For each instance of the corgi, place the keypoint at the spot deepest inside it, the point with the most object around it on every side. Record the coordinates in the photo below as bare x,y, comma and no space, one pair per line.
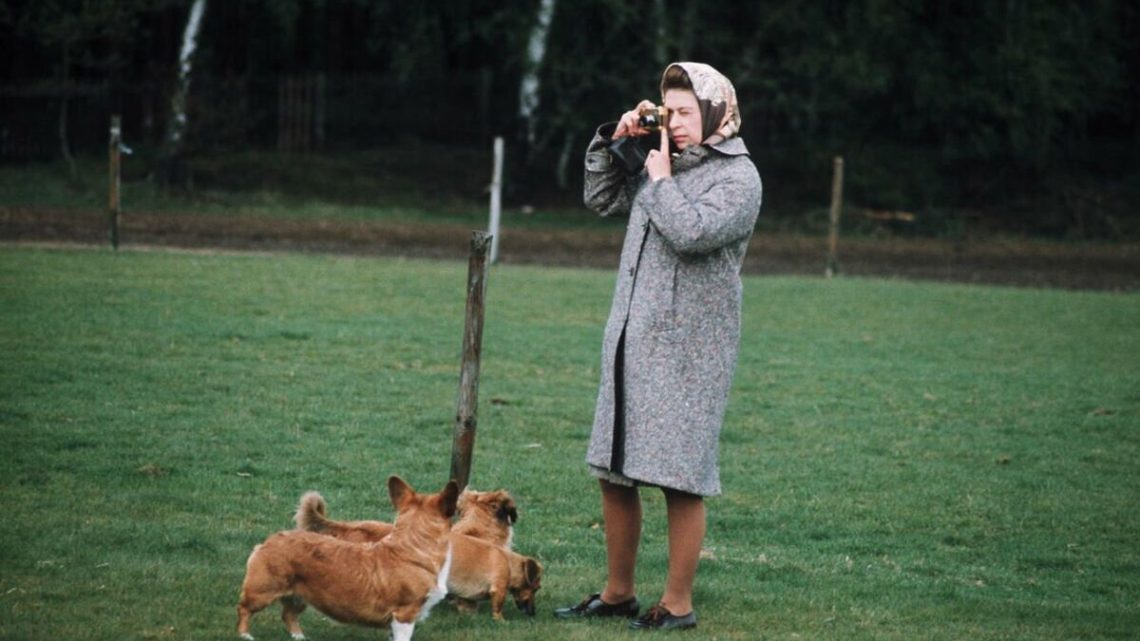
395,581
482,570
483,565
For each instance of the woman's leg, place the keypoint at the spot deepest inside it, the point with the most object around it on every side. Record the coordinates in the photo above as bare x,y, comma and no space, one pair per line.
621,510
686,514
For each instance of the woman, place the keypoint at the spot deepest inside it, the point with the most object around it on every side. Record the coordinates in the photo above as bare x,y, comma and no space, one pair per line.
670,344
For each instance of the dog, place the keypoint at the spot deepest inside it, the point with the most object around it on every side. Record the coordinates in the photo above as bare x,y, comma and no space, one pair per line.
483,565
482,570
394,581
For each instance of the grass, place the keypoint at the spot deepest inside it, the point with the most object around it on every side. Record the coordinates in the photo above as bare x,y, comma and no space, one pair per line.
418,184
900,461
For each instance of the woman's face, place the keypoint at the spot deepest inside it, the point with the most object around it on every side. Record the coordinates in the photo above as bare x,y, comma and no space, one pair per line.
684,117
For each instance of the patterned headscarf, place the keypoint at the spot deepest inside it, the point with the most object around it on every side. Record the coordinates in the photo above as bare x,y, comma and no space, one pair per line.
720,115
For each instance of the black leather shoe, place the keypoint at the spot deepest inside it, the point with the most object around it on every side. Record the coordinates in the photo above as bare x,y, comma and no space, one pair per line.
658,618
594,606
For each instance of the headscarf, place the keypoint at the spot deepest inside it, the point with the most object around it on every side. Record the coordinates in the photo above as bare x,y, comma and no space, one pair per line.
716,97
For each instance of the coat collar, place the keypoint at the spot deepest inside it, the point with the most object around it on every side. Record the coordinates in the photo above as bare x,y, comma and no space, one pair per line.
732,147
692,156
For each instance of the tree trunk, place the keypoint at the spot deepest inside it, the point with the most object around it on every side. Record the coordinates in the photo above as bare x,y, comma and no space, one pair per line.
530,87
172,170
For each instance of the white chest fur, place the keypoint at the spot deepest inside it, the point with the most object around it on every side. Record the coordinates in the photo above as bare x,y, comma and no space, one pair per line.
440,590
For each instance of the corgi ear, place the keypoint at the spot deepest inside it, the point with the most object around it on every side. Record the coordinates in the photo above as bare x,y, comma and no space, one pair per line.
448,498
398,491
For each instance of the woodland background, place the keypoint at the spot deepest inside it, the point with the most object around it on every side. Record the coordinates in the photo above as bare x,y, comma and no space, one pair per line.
1008,116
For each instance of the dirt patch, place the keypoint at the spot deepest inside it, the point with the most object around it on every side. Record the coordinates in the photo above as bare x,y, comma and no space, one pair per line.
1113,267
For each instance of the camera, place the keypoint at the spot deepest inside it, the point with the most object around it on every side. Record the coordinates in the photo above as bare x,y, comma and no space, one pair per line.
630,151
653,118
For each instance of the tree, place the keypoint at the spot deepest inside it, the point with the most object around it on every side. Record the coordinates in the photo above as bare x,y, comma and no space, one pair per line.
172,166
73,28
529,87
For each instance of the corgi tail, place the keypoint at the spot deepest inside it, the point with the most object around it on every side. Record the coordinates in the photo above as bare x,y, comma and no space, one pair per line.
310,514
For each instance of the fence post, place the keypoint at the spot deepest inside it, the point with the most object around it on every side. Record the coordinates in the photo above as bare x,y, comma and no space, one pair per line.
836,206
114,204
463,437
496,198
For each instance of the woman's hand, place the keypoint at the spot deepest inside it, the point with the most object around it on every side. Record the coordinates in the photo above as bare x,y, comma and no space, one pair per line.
628,126
657,162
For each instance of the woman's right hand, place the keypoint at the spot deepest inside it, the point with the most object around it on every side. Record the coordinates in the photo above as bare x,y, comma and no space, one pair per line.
627,125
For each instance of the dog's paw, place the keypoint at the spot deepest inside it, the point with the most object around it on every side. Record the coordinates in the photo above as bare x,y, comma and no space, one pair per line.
298,636
247,636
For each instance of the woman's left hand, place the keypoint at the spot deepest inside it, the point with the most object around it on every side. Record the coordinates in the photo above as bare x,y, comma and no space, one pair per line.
657,161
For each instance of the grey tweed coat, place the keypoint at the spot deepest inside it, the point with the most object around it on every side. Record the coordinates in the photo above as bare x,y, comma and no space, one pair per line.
675,314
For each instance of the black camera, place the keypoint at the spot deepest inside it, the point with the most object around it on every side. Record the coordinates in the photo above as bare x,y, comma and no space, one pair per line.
630,152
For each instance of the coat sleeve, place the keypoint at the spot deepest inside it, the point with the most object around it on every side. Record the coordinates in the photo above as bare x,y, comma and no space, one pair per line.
607,189
720,214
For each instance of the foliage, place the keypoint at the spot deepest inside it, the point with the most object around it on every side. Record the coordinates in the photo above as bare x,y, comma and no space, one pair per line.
900,461
1006,98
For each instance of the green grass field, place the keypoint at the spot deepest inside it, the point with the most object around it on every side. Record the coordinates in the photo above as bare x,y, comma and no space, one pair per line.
900,461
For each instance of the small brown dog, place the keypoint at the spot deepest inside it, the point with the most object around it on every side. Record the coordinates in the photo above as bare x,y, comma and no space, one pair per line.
395,581
482,570
483,566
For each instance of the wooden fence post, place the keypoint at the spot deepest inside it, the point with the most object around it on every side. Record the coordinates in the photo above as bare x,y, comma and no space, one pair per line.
463,438
836,207
114,204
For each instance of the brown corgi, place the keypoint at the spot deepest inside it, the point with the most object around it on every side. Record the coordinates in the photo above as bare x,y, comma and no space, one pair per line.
482,570
395,581
483,566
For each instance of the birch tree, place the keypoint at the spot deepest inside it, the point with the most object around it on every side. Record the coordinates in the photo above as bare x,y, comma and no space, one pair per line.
530,85
172,165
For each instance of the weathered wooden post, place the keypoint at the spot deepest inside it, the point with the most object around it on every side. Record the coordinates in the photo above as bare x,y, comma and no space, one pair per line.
114,205
463,437
833,215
